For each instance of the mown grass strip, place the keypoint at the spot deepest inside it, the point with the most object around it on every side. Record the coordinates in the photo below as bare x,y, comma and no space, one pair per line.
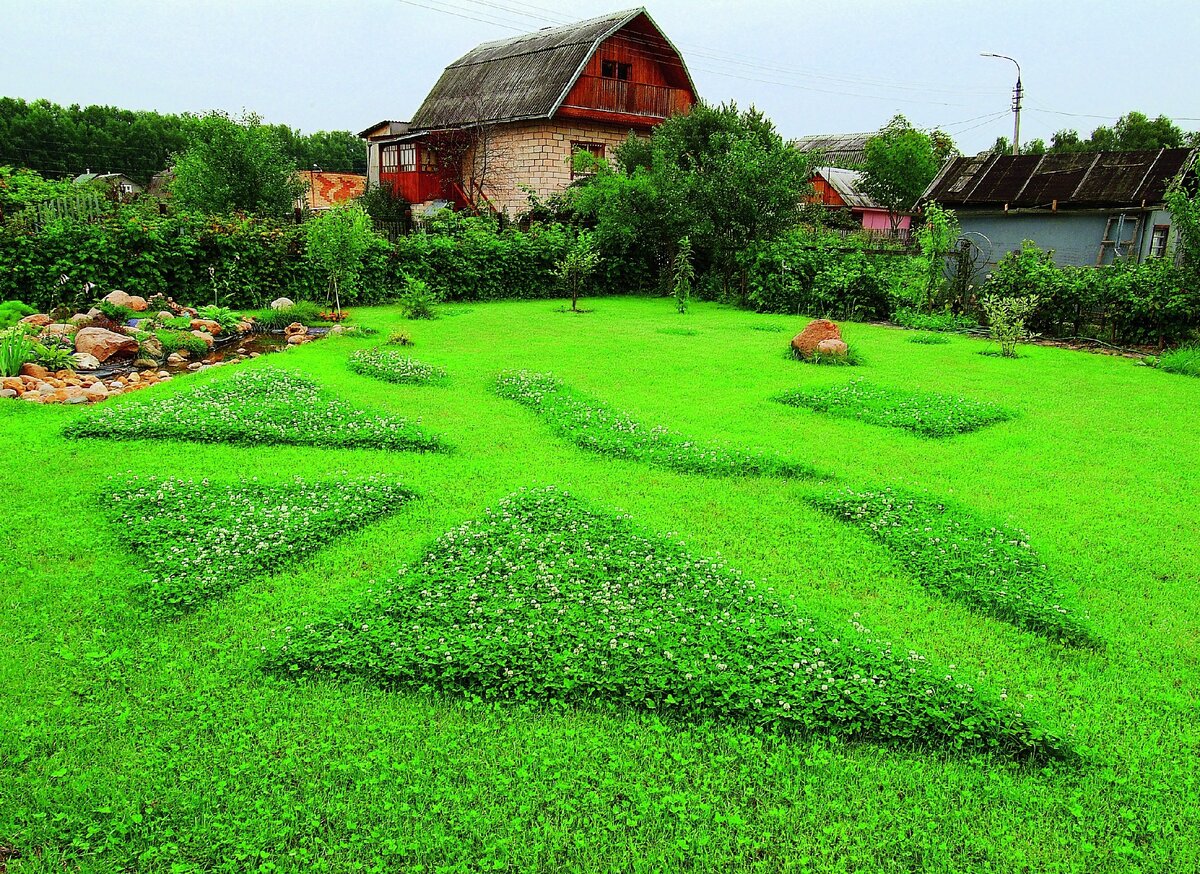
929,414
593,426
393,366
199,539
544,600
261,407
992,570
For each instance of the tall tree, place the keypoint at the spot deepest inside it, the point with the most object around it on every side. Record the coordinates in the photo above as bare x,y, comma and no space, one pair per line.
236,165
898,166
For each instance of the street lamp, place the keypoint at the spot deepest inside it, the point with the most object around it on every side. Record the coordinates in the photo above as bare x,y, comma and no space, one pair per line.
1018,92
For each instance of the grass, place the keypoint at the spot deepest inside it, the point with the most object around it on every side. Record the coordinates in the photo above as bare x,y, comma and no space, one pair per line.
929,339
201,539
128,743
392,366
596,427
544,599
992,570
262,407
1183,360
930,414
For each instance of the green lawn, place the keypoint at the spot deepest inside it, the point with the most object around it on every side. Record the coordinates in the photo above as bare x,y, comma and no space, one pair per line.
130,741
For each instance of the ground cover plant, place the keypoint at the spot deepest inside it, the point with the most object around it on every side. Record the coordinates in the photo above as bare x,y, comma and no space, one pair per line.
593,426
992,570
129,743
929,339
198,539
392,366
544,599
930,414
1184,360
257,407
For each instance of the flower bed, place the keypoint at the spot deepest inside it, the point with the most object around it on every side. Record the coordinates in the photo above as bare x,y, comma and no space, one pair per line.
591,425
262,406
929,414
392,366
543,600
200,539
993,571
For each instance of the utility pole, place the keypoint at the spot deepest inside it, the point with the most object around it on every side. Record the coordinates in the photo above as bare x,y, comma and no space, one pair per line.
1018,93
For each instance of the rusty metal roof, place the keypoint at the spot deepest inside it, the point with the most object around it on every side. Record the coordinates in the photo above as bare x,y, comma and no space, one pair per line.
523,77
1059,180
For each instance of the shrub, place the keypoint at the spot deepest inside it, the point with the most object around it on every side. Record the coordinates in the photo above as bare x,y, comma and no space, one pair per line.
993,571
276,320
174,341
258,407
682,275
117,314
1006,320
12,311
392,366
943,321
544,601
591,425
418,300
53,356
178,323
399,338
201,539
929,414
1184,360
15,349
223,316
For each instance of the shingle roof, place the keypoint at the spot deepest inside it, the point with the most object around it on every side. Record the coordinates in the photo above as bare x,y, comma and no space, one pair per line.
523,77
1065,180
841,150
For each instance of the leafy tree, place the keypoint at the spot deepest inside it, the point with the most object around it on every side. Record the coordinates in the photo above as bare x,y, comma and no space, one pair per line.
1135,131
236,165
898,166
339,240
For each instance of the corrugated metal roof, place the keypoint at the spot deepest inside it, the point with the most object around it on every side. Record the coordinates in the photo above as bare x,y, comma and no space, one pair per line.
1073,179
842,150
523,77
846,184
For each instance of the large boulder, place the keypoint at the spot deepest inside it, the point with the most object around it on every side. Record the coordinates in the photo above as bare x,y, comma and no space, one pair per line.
59,329
103,344
832,347
295,329
805,343
209,325
282,303
206,337
38,320
131,301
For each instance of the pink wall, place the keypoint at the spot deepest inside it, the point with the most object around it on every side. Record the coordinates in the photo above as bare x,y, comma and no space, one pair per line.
877,220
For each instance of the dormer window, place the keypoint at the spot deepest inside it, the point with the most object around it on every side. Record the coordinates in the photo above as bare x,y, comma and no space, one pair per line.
610,69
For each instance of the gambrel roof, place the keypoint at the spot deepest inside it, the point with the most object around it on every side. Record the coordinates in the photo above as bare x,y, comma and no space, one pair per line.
529,76
1059,180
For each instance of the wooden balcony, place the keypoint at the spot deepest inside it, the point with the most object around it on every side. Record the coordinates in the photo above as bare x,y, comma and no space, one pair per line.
606,95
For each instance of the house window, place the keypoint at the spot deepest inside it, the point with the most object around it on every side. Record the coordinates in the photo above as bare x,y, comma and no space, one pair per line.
616,70
428,161
596,150
389,159
126,188
1158,241
406,157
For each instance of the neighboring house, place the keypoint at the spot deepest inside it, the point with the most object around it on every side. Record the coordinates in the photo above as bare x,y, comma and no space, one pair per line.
837,150
1089,207
505,119
119,183
160,184
324,190
377,136
838,188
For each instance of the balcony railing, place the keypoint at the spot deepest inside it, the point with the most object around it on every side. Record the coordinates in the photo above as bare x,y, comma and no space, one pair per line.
631,98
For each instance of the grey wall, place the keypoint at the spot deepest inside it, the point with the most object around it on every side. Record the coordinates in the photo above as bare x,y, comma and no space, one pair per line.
1074,237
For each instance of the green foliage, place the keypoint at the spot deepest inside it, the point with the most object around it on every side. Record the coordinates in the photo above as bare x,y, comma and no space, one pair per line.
418,300
682,275
577,266
399,338
116,313
936,321
15,349
607,616
174,341
21,187
54,356
930,414
992,570
12,311
1184,360
595,427
1006,320
392,366
383,204
1184,204
937,236
302,311
898,166
257,407
851,358
929,339
339,240
235,165
200,539
225,317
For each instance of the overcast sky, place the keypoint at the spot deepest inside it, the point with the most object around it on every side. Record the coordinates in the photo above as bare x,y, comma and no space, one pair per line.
814,66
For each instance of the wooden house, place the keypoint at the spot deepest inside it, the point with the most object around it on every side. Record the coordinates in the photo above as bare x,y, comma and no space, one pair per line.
506,118
839,188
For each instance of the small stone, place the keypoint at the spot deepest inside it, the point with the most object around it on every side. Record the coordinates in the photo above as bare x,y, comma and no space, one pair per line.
80,320
8,393
195,365
145,363
208,325
176,358
132,377
85,361
34,370
282,303
206,337
296,339
60,329
163,315
836,348
76,399
96,392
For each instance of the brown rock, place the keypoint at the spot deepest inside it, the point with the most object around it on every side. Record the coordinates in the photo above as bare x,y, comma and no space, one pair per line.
12,382
35,371
132,301
38,320
209,325
145,363
177,357
102,344
833,347
205,336
295,329
96,392
32,396
60,329
817,330
296,339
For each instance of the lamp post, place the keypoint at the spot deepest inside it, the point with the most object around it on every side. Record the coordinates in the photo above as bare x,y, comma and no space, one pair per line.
1018,93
